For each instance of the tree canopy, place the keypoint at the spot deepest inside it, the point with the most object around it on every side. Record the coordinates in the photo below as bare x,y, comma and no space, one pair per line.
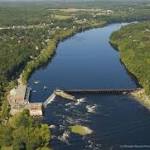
133,44
22,132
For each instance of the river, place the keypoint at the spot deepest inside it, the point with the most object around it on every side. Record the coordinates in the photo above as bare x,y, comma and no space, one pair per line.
88,61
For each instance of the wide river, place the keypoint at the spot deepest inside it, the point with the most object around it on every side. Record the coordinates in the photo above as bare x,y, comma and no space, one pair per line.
88,61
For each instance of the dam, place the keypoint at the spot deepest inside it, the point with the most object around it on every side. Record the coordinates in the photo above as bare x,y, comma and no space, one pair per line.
19,98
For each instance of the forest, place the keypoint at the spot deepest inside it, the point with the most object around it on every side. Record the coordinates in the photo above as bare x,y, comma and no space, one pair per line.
132,41
29,34
23,132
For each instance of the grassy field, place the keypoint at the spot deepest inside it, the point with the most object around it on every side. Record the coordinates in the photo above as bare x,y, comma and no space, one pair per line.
62,17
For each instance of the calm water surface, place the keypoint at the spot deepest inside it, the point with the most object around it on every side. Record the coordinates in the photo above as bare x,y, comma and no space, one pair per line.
87,60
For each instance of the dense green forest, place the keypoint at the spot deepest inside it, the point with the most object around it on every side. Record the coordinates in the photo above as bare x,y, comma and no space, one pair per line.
133,44
22,132
29,34
17,47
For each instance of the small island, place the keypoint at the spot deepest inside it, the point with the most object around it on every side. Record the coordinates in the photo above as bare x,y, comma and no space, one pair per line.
80,130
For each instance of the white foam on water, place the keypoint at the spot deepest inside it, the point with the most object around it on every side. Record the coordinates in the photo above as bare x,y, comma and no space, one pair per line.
36,82
61,127
91,108
92,145
64,137
79,101
52,126
70,120
54,137
52,100
66,109
68,104
83,120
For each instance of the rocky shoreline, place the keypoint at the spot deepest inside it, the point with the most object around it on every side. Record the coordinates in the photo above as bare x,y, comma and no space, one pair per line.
142,98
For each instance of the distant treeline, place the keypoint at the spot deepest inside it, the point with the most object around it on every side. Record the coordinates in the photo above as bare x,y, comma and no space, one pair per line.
26,13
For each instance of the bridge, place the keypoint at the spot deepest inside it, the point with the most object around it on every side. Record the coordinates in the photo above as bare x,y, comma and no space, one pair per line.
36,109
101,91
66,93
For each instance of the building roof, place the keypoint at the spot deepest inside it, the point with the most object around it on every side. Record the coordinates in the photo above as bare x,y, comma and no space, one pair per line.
20,93
35,109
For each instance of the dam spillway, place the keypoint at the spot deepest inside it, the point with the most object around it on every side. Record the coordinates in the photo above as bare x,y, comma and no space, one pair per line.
101,91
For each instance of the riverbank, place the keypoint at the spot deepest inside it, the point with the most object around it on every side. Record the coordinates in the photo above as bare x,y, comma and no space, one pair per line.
142,98
47,53
135,56
76,63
